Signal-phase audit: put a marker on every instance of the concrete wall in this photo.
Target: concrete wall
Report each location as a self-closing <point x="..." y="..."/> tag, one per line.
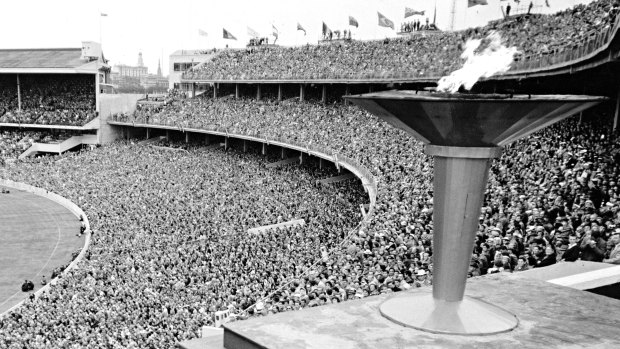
<point x="110" y="105"/>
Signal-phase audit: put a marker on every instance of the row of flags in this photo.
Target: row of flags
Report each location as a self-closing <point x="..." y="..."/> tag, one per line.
<point x="472" y="3"/>
<point x="383" y="21"/>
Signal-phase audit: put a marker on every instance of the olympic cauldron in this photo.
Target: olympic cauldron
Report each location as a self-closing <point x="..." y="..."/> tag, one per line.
<point x="463" y="132"/>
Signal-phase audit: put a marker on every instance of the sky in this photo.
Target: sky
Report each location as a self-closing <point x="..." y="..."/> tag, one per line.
<point x="158" y="28"/>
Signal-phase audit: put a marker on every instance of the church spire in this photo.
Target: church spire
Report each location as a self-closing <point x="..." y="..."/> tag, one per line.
<point x="159" y="67"/>
<point x="140" y="61"/>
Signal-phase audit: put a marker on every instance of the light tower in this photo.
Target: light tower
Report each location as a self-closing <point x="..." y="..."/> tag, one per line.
<point x="463" y="133"/>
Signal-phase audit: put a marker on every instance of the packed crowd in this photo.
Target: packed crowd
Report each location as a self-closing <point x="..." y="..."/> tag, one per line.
<point x="552" y="197"/>
<point x="171" y="243"/>
<point x="15" y="142"/>
<point x="512" y="218"/>
<point x="541" y="34"/>
<point x="411" y="57"/>
<point x="416" y="25"/>
<point x="48" y="99"/>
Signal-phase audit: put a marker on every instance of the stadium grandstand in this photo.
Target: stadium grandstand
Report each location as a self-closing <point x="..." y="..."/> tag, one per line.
<point x="258" y="189"/>
<point x="50" y="96"/>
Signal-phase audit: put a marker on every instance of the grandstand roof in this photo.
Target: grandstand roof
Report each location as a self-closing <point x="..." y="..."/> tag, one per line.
<point x="47" y="60"/>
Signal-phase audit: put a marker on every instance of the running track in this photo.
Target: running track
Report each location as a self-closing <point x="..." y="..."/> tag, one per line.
<point x="36" y="236"/>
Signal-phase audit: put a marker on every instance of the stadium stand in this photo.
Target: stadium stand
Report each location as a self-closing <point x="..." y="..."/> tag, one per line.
<point x="48" y="100"/>
<point x="414" y="57"/>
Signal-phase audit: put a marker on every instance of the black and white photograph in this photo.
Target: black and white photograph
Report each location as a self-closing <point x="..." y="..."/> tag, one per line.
<point x="309" y="174"/>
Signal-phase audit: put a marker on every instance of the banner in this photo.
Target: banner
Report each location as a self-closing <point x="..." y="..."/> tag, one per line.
<point x="275" y="31"/>
<point x="411" y="12"/>
<point x="299" y="27"/>
<point x="227" y="35"/>
<point x="385" y="22"/>
<point x="253" y="33"/>
<point x="326" y="29"/>
<point x="471" y="3"/>
<point x="353" y="22"/>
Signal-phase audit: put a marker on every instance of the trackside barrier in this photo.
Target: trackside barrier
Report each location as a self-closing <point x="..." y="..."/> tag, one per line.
<point x="76" y="210"/>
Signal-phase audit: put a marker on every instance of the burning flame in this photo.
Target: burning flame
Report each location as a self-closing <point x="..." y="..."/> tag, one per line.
<point x="494" y="58"/>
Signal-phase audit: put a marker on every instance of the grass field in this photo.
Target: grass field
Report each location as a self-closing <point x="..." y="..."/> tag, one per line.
<point x="36" y="236"/>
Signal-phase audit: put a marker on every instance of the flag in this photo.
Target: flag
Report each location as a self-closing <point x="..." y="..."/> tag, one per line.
<point x="411" y="12"/>
<point x="227" y="35"/>
<point x="275" y="31"/>
<point x="471" y="3"/>
<point x="384" y="21"/>
<point x="202" y="32"/>
<point x="104" y="14"/>
<point x="299" y="27"/>
<point x="547" y="3"/>
<point x="326" y="29"/>
<point x="253" y="33"/>
<point x="353" y="22"/>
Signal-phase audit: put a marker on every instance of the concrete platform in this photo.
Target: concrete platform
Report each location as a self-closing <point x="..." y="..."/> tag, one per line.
<point x="550" y="316"/>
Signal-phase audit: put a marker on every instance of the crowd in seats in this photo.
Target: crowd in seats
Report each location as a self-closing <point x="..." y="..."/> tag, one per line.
<point x="15" y="142"/>
<point x="552" y="197"/>
<point x="579" y="185"/>
<point x="541" y="34"/>
<point x="171" y="244"/>
<point x="412" y="57"/>
<point x="341" y="59"/>
<point x="50" y="99"/>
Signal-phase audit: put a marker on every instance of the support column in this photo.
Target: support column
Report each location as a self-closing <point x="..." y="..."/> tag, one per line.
<point x="264" y="150"/>
<point x="460" y="179"/>
<point x="193" y="89"/>
<point x="371" y="88"/>
<point x="347" y="91"/>
<point x="258" y="92"/>
<point x="214" y="91"/>
<point x="168" y="135"/>
<point x="237" y="91"/>
<point x="225" y="143"/>
<point x="207" y="139"/>
<point x="186" y="137"/>
<point x="321" y="163"/>
<point x="245" y="145"/>
<point x="324" y="94"/>
<point x="302" y="93"/>
<point x="148" y="133"/>
<point x="615" y="127"/>
<point x="301" y="158"/>
<point x="19" y="94"/>
<point x="279" y="92"/>
<point x="283" y="153"/>
<point x="97" y="89"/>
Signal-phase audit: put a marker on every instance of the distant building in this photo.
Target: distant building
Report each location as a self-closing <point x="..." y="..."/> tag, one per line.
<point x="136" y="71"/>
<point x="136" y="78"/>
<point x="182" y="60"/>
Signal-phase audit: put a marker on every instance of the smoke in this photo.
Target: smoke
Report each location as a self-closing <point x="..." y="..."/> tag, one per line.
<point x="480" y="62"/>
